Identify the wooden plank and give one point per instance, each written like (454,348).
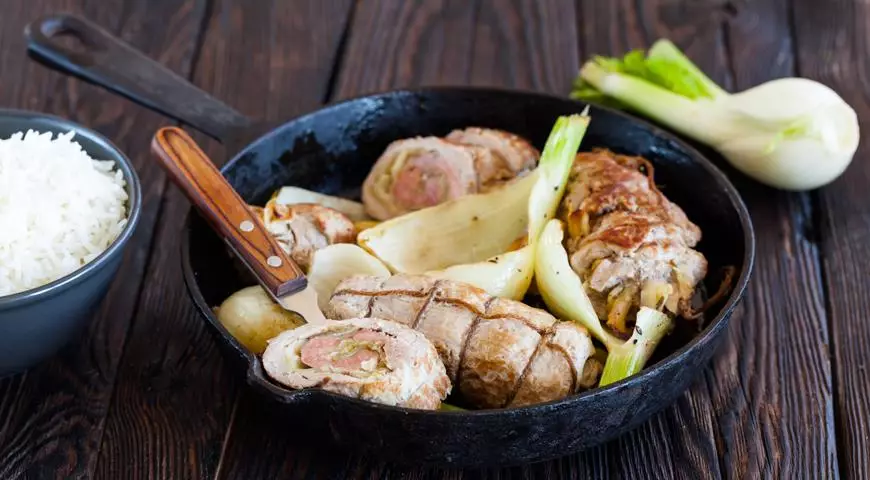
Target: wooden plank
(517,44)
(832,48)
(173,406)
(51,418)
(767,396)
(524,45)
(397,43)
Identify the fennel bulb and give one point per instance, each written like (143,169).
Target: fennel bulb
(564,294)
(790,133)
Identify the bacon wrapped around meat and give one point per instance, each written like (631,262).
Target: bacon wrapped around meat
(366,358)
(421,172)
(629,244)
(498,352)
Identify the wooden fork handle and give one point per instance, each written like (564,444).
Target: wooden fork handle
(229,215)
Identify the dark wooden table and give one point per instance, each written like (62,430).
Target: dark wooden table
(144,393)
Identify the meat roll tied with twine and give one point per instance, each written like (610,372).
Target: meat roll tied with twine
(498,352)
(365,358)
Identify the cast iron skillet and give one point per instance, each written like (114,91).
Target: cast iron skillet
(332,150)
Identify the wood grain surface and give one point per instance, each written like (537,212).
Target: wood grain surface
(52,418)
(747,425)
(145,393)
(833,48)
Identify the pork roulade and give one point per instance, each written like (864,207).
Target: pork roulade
(421,172)
(629,244)
(301,229)
(367,358)
(511,154)
(498,352)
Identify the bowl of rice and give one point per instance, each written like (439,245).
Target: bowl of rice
(69,202)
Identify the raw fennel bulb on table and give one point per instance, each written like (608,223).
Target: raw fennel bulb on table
(789,133)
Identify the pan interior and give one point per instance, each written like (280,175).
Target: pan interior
(332,151)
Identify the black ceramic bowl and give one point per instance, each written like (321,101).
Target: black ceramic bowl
(332,150)
(35,323)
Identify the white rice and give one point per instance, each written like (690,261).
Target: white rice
(59,209)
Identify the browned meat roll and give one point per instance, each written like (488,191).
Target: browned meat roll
(498,352)
(421,172)
(630,245)
(304,228)
(366,358)
(511,154)
(602,182)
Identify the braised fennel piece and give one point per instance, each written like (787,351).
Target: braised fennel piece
(253,318)
(334,263)
(465,230)
(789,133)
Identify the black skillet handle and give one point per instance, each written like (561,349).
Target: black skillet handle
(105,60)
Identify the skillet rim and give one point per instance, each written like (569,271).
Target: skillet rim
(707,335)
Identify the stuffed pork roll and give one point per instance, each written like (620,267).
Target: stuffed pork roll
(498,352)
(511,154)
(302,229)
(421,172)
(366,358)
(629,244)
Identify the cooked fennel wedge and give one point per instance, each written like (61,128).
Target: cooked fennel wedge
(509,274)
(468,229)
(295,195)
(332,264)
(565,296)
